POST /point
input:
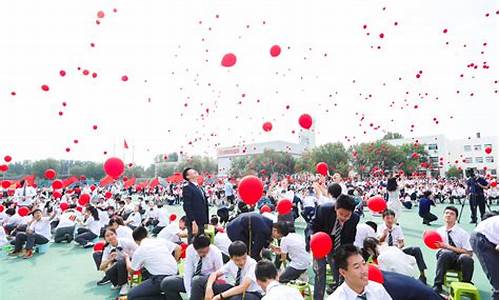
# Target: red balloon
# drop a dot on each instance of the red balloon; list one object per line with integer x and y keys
{"x": 250, "y": 189}
{"x": 415, "y": 155}
{"x": 275, "y": 50}
{"x": 172, "y": 217}
{"x": 57, "y": 184}
{"x": 56, "y": 195}
{"x": 125, "y": 178}
{"x": 1, "y": 208}
{"x": 50, "y": 174}
{"x": 84, "y": 199}
{"x": 23, "y": 211}
{"x": 267, "y": 126}
{"x": 108, "y": 195}
{"x": 228, "y": 60}
{"x": 305, "y": 121}
{"x": 321, "y": 245}
{"x": 99, "y": 246}
{"x": 100, "y": 14}
{"x": 374, "y": 274}
{"x": 200, "y": 180}
{"x": 92, "y": 188}
{"x": 6, "y": 184}
{"x": 431, "y": 238}
{"x": 377, "y": 204}
{"x": 82, "y": 177}
{"x": 10, "y": 192}
{"x": 487, "y": 150}
{"x": 183, "y": 250}
{"x": 64, "y": 206}
{"x": 114, "y": 167}
{"x": 4, "y": 168}
{"x": 7, "y": 158}
{"x": 322, "y": 168}
{"x": 265, "y": 208}
{"x": 284, "y": 206}
{"x": 79, "y": 208}
{"x": 493, "y": 184}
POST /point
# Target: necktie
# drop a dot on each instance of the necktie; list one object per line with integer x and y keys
{"x": 198, "y": 267}
{"x": 450, "y": 240}
{"x": 336, "y": 235}
{"x": 238, "y": 277}
{"x": 362, "y": 296}
{"x": 390, "y": 241}
{"x": 24, "y": 190}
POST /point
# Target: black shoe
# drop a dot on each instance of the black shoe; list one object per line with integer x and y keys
{"x": 438, "y": 289}
{"x": 68, "y": 238}
{"x": 423, "y": 279}
{"x": 472, "y": 222}
{"x": 105, "y": 280}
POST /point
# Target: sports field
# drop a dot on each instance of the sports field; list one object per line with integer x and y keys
{"x": 68, "y": 272}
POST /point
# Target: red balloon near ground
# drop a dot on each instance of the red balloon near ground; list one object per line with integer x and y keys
{"x": 267, "y": 126}
{"x": 265, "y": 208}
{"x": 305, "y": 121}
{"x": 7, "y": 158}
{"x": 108, "y": 195}
{"x": 63, "y": 206}
{"x": 84, "y": 199}
{"x": 114, "y": 167}
{"x": 6, "y": 184}
{"x": 321, "y": 245}
{"x": 322, "y": 168}
{"x": 228, "y": 60}
{"x": 57, "y": 184}
{"x": 99, "y": 246}
{"x": 284, "y": 206}
{"x": 377, "y": 204}
{"x": 493, "y": 184}
{"x": 92, "y": 188}
{"x": 23, "y": 211}
{"x": 250, "y": 189}
{"x": 62, "y": 73}
{"x": 50, "y": 174}
{"x": 487, "y": 150}
{"x": 56, "y": 195}
{"x": 1, "y": 208}
{"x": 94, "y": 127}
{"x": 431, "y": 238}
{"x": 275, "y": 50}
{"x": 172, "y": 217}
{"x": 374, "y": 274}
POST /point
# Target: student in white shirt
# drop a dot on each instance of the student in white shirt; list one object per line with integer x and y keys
{"x": 91, "y": 229}
{"x": 155, "y": 255}
{"x": 356, "y": 285}
{"x": 24, "y": 194}
{"x": 123, "y": 232}
{"x": 455, "y": 252}
{"x": 484, "y": 241}
{"x": 163, "y": 219}
{"x": 151, "y": 215}
{"x": 222, "y": 242}
{"x": 202, "y": 259}
{"x": 293, "y": 246}
{"x": 174, "y": 231}
{"x": 37, "y": 233}
{"x": 239, "y": 275}
{"x": 112, "y": 261}
{"x": 363, "y": 231}
{"x": 66, "y": 227}
{"x": 267, "y": 278}
{"x": 134, "y": 220}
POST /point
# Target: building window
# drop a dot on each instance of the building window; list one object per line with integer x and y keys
{"x": 479, "y": 160}
{"x": 477, "y": 147}
{"x": 467, "y": 147}
{"x": 433, "y": 147}
{"x": 434, "y": 159}
{"x": 490, "y": 159}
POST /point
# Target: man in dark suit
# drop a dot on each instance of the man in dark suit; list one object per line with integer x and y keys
{"x": 403, "y": 287}
{"x": 340, "y": 223}
{"x": 195, "y": 203}
{"x": 253, "y": 229}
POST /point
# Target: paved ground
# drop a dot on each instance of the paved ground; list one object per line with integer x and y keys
{"x": 68, "y": 272}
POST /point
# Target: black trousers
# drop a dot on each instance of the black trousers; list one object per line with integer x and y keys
{"x": 447, "y": 260}
{"x": 61, "y": 233}
{"x": 419, "y": 258}
{"x": 31, "y": 240}
{"x": 475, "y": 201}
{"x": 428, "y": 217}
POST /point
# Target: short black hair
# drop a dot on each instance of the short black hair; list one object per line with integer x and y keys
{"x": 139, "y": 234}
{"x": 237, "y": 248}
{"x": 334, "y": 190}
{"x": 185, "y": 172}
{"x": 182, "y": 219}
{"x": 265, "y": 270}
{"x": 343, "y": 253}
{"x": 282, "y": 227}
{"x": 452, "y": 208}
{"x": 345, "y": 202}
{"x": 214, "y": 220}
{"x": 372, "y": 225}
{"x": 35, "y": 210}
{"x": 388, "y": 212}
{"x": 200, "y": 242}
{"x": 116, "y": 219}
{"x": 427, "y": 194}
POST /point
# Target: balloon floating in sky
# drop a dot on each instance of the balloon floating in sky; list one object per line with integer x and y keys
{"x": 322, "y": 168}
{"x": 114, "y": 167}
{"x": 228, "y": 60}
{"x": 267, "y": 126}
{"x": 275, "y": 50}
{"x": 50, "y": 174}
{"x": 487, "y": 150}
{"x": 8, "y": 158}
{"x": 305, "y": 121}
{"x": 250, "y": 189}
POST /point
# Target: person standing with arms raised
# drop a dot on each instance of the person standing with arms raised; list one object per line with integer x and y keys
{"x": 194, "y": 203}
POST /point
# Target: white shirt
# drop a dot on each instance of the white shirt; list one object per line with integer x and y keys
{"x": 295, "y": 246}
{"x": 20, "y": 193}
{"x": 309, "y": 201}
{"x": 210, "y": 263}
{"x": 489, "y": 228}
{"x": 124, "y": 232}
{"x": 67, "y": 219}
{"x": 460, "y": 237}
{"x": 41, "y": 227}
{"x": 277, "y": 291}
{"x": 103, "y": 217}
{"x": 222, "y": 242}
{"x": 170, "y": 233}
{"x": 136, "y": 219}
{"x": 373, "y": 290}
{"x": 93, "y": 225}
{"x": 163, "y": 217}
{"x": 156, "y": 256}
{"x": 230, "y": 271}
{"x": 362, "y": 232}
{"x": 396, "y": 233}
{"x": 393, "y": 259}
{"x": 127, "y": 246}
{"x": 152, "y": 212}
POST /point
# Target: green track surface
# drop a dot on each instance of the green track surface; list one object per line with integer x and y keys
{"x": 68, "y": 272}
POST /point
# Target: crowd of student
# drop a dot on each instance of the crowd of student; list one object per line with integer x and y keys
{"x": 252, "y": 252}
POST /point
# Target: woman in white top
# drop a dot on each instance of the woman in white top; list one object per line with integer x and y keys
{"x": 66, "y": 227}
{"x": 134, "y": 220}
{"x": 393, "y": 202}
{"x": 122, "y": 231}
{"x": 91, "y": 229}
{"x": 37, "y": 233}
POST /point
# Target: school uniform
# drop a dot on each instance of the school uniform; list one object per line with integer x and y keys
{"x": 362, "y": 232}
{"x": 117, "y": 273}
{"x": 91, "y": 231}
{"x": 40, "y": 234}
{"x": 66, "y": 227}
{"x": 373, "y": 291}
{"x": 124, "y": 232}
{"x": 135, "y": 220}
{"x": 222, "y": 242}
{"x": 294, "y": 245}
{"x": 277, "y": 291}
{"x": 170, "y": 233}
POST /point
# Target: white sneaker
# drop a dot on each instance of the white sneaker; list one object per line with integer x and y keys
{"x": 115, "y": 287}
{"x": 124, "y": 290}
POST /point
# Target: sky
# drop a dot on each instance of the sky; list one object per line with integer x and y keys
{"x": 357, "y": 83}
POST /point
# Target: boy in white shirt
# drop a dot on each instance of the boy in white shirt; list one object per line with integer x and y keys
{"x": 291, "y": 245}
{"x": 267, "y": 275}
{"x": 239, "y": 271}
{"x": 174, "y": 231}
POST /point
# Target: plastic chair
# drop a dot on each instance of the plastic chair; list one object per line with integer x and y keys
{"x": 210, "y": 232}
{"x": 135, "y": 279}
{"x": 459, "y": 289}
{"x": 43, "y": 248}
{"x": 329, "y": 275}
{"x": 452, "y": 276}
{"x": 303, "y": 288}
{"x": 180, "y": 267}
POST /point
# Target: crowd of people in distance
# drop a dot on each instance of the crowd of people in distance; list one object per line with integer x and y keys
{"x": 221, "y": 248}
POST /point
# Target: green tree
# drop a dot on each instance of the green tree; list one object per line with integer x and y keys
{"x": 453, "y": 172}
{"x": 333, "y": 154}
{"x": 265, "y": 163}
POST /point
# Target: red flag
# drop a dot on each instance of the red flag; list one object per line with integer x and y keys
{"x": 69, "y": 181}
{"x": 106, "y": 180}
{"x": 125, "y": 145}
{"x": 154, "y": 182}
{"x": 143, "y": 184}
{"x": 129, "y": 183}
